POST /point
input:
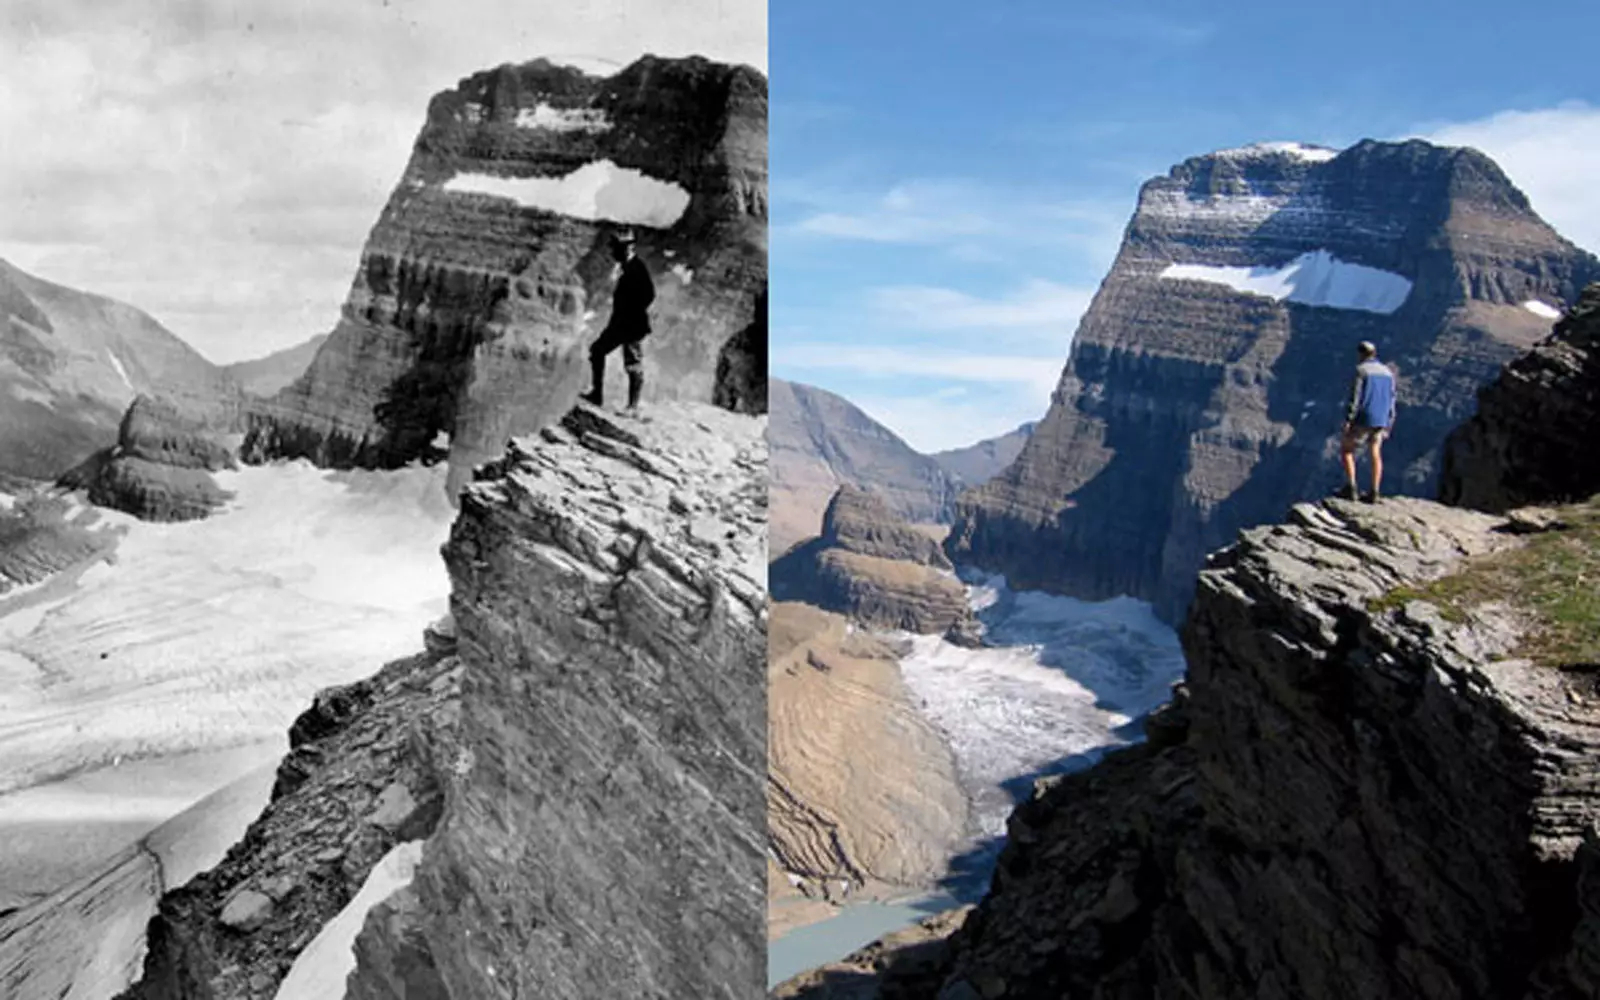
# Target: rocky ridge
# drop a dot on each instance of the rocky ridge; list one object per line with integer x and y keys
{"x": 1190, "y": 408}
{"x": 873, "y": 568}
{"x": 482, "y": 283}
{"x": 1532, "y": 439}
{"x": 821, "y": 442}
{"x": 976, "y": 464}
{"x": 1376, "y": 781}
{"x": 160, "y": 468}
{"x": 574, "y": 755}
{"x": 71, "y": 363}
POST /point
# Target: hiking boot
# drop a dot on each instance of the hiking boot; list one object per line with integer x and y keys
{"x": 1346, "y": 493}
{"x": 592, "y": 397}
{"x": 1371, "y": 496}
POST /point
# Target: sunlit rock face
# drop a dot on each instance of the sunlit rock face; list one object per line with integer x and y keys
{"x": 1205, "y": 388}
{"x": 487, "y": 274}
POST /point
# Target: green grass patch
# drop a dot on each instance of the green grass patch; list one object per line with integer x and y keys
{"x": 1554, "y": 578}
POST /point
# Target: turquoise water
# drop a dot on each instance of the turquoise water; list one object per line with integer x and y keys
{"x": 853, "y": 927}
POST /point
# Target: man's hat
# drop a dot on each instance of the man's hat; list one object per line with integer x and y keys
{"x": 624, "y": 237}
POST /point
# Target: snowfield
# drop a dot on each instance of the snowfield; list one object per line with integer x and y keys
{"x": 1542, "y": 309}
{"x": 212, "y": 635}
{"x": 1061, "y": 681}
{"x": 1313, "y": 279}
{"x": 598, "y": 191}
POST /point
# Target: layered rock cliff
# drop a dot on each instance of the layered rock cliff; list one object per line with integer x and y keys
{"x": 873, "y": 568}
{"x": 1379, "y": 779}
{"x": 487, "y": 274}
{"x": 1533, "y": 437}
{"x": 1205, "y": 385}
{"x": 821, "y": 442}
{"x": 561, "y": 796}
{"x": 862, "y": 791}
{"x": 71, "y": 363}
{"x": 160, "y": 468}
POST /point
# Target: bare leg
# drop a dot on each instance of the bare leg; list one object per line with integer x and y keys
{"x": 1375, "y": 451}
{"x": 1347, "y": 455}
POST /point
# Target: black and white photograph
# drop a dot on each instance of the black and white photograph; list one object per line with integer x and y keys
{"x": 382, "y": 499}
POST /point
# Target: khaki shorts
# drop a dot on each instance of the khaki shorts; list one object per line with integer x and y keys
{"x": 1359, "y": 435}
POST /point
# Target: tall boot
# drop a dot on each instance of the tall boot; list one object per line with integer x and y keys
{"x": 597, "y": 381}
{"x": 635, "y": 386}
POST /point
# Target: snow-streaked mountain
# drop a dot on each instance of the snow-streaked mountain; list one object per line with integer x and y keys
{"x": 71, "y": 362}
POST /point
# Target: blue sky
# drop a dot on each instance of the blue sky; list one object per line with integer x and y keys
{"x": 950, "y": 181}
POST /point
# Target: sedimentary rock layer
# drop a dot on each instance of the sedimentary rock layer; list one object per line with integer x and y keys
{"x": 861, "y": 788}
{"x": 1192, "y": 406}
{"x": 1533, "y": 437}
{"x": 487, "y": 274}
{"x": 873, "y": 568}
{"x": 160, "y": 469}
{"x": 367, "y": 769}
{"x": 607, "y": 834}
{"x": 821, "y": 442}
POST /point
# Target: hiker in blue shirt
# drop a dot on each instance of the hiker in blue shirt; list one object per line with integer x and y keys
{"x": 1368, "y": 419}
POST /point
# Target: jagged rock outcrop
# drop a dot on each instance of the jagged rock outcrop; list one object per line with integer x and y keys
{"x": 605, "y": 836}
{"x": 70, "y": 365}
{"x": 834, "y": 701}
{"x": 368, "y": 768}
{"x": 1205, "y": 384}
{"x": 1383, "y": 787}
{"x": 872, "y": 567}
{"x": 821, "y": 442}
{"x": 976, "y": 464}
{"x": 1533, "y": 437}
{"x": 487, "y": 274}
{"x": 160, "y": 468}
{"x": 742, "y": 367}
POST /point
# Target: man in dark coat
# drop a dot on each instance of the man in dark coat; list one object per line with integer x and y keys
{"x": 628, "y": 326}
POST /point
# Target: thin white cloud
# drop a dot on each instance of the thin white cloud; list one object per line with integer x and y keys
{"x": 220, "y": 166}
{"x": 972, "y": 219}
{"x": 1552, "y": 154}
{"x": 931, "y": 423}
{"x": 1038, "y": 305}
{"x": 872, "y": 361}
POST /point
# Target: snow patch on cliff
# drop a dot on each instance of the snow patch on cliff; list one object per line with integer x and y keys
{"x": 121, "y": 371}
{"x": 320, "y": 971}
{"x": 1298, "y": 150}
{"x": 544, "y": 116}
{"x": 1313, "y": 279}
{"x": 598, "y": 191}
{"x": 1541, "y": 309}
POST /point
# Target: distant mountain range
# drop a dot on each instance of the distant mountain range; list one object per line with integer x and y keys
{"x": 71, "y": 363}
{"x": 265, "y": 376}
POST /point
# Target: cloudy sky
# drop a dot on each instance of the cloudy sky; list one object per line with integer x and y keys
{"x": 218, "y": 163}
{"x": 950, "y": 181}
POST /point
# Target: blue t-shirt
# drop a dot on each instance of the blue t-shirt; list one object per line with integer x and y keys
{"x": 1372, "y": 399}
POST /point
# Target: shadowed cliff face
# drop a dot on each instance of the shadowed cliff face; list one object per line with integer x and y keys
{"x": 1189, "y": 409}
{"x": 1533, "y": 438}
{"x": 472, "y": 309}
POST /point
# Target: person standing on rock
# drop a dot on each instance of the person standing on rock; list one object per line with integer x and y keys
{"x": 628, "y": 326}
{"x": 1368, "y": 419}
